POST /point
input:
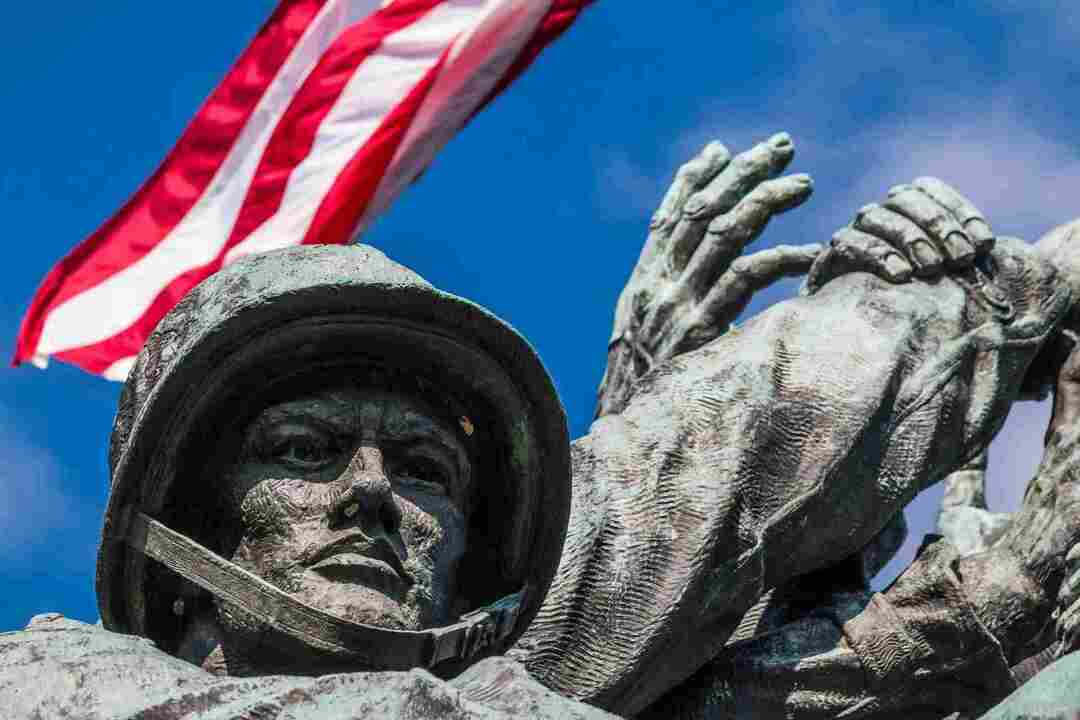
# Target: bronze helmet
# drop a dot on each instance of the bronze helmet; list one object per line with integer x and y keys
{"x": 267, "y": 320}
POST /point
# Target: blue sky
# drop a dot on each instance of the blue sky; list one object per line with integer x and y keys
{"x": 538, "y": 210}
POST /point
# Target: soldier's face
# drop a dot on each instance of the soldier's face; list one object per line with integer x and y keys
{"x": 356, "y": 502}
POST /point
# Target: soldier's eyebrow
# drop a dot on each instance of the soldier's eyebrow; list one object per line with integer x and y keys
{"x": 435, "y": 437}
{"x": 333, "y": 417}
{"x": 433, "y": 433}
{"x": 417, "y": 428}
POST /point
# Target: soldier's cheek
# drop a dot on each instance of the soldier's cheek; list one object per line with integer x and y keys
{"x": 280, "y": 520}
{"x": 275, "y": 505}
{"x": 432, "y": 531}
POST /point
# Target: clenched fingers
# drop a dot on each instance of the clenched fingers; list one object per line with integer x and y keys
{"x": 903, "y": 234}
{"x": 969, "y": 217}
{"x": 853, "y": 250}
{"x": 936, "y": 220}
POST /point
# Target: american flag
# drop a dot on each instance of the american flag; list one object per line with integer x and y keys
{"x": 330, "y": 112}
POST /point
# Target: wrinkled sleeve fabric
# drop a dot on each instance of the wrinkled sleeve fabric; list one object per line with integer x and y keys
{"x": 915, "y": 652}
{"x": 780, "y": 448}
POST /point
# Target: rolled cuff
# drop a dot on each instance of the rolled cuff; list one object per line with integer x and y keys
{"x": 924, "y": 630}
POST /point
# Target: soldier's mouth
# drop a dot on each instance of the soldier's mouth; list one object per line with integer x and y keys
{"x": 362, "y": 570}
{"x": 360, "y": 561}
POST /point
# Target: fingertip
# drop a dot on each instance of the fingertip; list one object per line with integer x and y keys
{"x": 802, "y": 189}
{"x": 961, "y": 251}
{"x": 781, "y": 139}
{"x": 928, "y": 182}
{"x": 897, "y": 268}
{"x": 695, "y": 204}
{"x": 789, "y": 191}
{"x": 782, "y": 150}
{"x": 864, "y": 210}
{"x": 803, "y": 179}
{"x": 927, "y": 260}
{"x": 715, "y": 149}
{"x": 715, "y": 157}
{"x": 980, "y": 233}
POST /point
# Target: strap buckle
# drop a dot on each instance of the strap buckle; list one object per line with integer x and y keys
{"x": 477, "y": 631}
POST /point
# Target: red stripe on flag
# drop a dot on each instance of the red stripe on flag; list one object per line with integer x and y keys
{"x": 295, "y": 134}
{"x": 351, "y": 192}
{"x": 170, "y": 193}
{"x": 290, "y": 145}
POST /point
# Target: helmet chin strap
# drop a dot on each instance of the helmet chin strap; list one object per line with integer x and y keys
{"x": 473, "y": 635}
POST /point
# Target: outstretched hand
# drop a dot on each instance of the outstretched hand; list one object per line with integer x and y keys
{"x": 690, "y": 282}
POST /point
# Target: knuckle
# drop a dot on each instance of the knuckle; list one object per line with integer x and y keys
{"x": 742, "y": 164}
{"x": 741, "y": 266}
{"x": 696, "y": 203}
{"x": 688, "y": 172}
{"x": 722, "y": 225}
{"x": 880, "y": 250}
{"x": 761, "y": 198}
{"x": 929, "y": 182}
{"x": 850, "y": 253}
{"x": 840, "y": 237}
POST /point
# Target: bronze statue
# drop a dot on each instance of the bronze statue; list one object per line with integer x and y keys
{"x": 338, "y": 492}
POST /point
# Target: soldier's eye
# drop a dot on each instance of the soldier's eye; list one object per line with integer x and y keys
{"x": 425, "y": 471}
{"x": 302, "y": 448}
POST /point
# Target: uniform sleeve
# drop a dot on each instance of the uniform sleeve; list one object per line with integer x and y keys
{"x": 779, "y": 449}
{"x": 914, "y": 652}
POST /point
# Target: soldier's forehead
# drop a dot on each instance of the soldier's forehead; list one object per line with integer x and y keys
{"x": 356, "y": 409}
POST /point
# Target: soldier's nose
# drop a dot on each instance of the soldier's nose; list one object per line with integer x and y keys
{"x": 368, "y": 496}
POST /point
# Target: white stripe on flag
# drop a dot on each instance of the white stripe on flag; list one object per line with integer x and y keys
{"x": 113, "y": 305}
{"x": 118, "y": 371}
{"x": 480, "y": 60}
{"x": 377, "y": 86}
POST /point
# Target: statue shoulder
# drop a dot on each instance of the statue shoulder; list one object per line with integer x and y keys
{"x": 1051, "y": 693}
{"x": 58, "y": 667}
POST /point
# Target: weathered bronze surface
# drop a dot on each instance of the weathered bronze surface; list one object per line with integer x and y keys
{"x": 362, "y": 475}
